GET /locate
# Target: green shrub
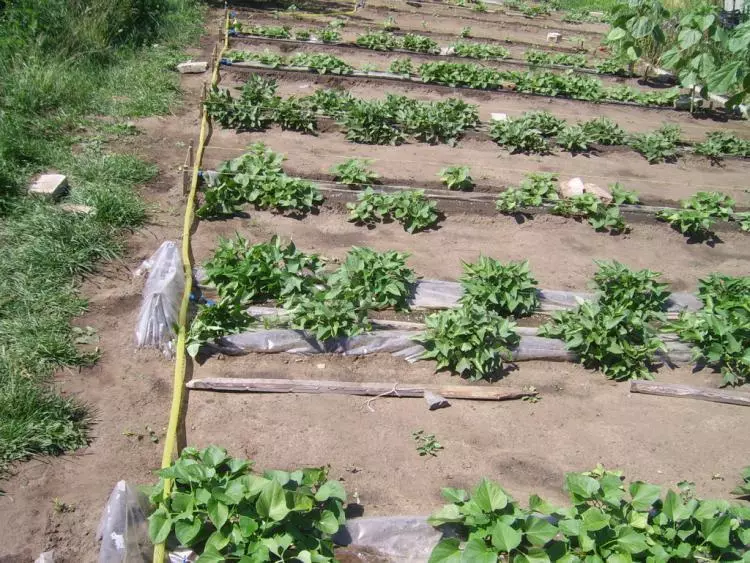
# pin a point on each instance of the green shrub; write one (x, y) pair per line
(507, 289)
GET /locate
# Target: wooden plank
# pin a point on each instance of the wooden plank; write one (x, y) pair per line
(243, 385)
(688, 392)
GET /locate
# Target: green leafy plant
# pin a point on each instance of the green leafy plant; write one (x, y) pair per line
(427, 444)
(292, 113)
(442, 121)
(222, 510)
(604, 131)
(329, 36)
(484, 51)
(699, 213)
(378, 41)
(389, 24)
(272, 31)
(469, 341)
(257, 273)
(419, 43)
(402, 65)
(615, 333)
(324, 64)
(637, 30)
(546, 123)
(640, 289)
(479, 6)
(506, 289)
(457, 178)
(720, 332)
(743, 489)
(376, 280)
(372, 123)
(743, 219)
(354, 172)
(226, 316)
(660, 145)
(600, 215)
(410, 208)
(534, 57)
(575, 139)
(461, 74)
(517, 136)
(719, 144)
(465, 32)
(606, 522)
(302, 35)
(620, 195)
(326, 317)
(535, 190)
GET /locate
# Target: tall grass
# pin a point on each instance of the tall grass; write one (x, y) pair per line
(63, 64)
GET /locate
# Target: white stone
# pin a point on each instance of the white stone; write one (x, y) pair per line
(49, 185)
(571, 188)
(447, 51)
(192, 67)
(499, 117)
(554, 37)
(602, 193)
(77, 208)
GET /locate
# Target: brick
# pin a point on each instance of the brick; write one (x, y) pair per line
(192, 67)
(49, 185)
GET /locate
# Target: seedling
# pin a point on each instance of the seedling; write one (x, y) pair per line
(456, 178)
(466, 32)
(507, 289)
(533, 399)
(427, 444)
(354, 172)
(699, 213)
(410, 208)
(402, 66)
(389, 24)
(534, 191)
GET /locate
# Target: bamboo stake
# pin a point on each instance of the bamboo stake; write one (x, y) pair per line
(314, 386)
(688, 392)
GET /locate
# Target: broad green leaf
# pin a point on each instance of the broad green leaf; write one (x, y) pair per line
(631, 541)
(187, 531)
(182, 502)
(616, 34)
(716, 530)
(619, 558)
(476, 551)
(271, 502)
(248, 526)
(582, 487)
(689, 37)
(594, 519)
(217, 512)
(532, 555)
(455, 495)
(642, 27)
(571, 527)
(217, 540)
(159, 525)
(328, 522)
(447, 551)
(539, 531)
(505, 538)
(210, 555)
(331, 489)
(643, 495)
(213, 456)
(449, 513)
(489, 496)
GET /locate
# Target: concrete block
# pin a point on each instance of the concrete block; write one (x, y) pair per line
(572, 187)
(192, 67)
(554, 37)
(602, 193)
(77, 208)
(49, 185)
(499, 117)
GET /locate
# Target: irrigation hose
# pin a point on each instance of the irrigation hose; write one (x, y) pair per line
(178, 384)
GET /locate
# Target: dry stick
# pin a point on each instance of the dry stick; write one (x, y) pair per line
(688, 392)
(481, 393)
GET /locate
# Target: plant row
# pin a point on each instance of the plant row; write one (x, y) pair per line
(388, 41)
(616, 333)
(389, 121)
(469, 75)
(224, 511)
(257, 178)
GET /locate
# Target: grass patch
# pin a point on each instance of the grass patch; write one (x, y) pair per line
(63, 68)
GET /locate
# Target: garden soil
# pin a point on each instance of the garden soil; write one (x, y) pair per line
(582, 419)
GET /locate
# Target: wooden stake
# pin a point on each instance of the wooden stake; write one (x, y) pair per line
(477, 392)
(688, 392)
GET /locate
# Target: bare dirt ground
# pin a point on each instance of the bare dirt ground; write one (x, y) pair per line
(583, 419)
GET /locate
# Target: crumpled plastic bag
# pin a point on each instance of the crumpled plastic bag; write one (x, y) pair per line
(162, 294)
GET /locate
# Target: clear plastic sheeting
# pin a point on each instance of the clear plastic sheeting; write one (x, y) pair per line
(406, 539)
(162, 293)
(123, 528)
(399, 343)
